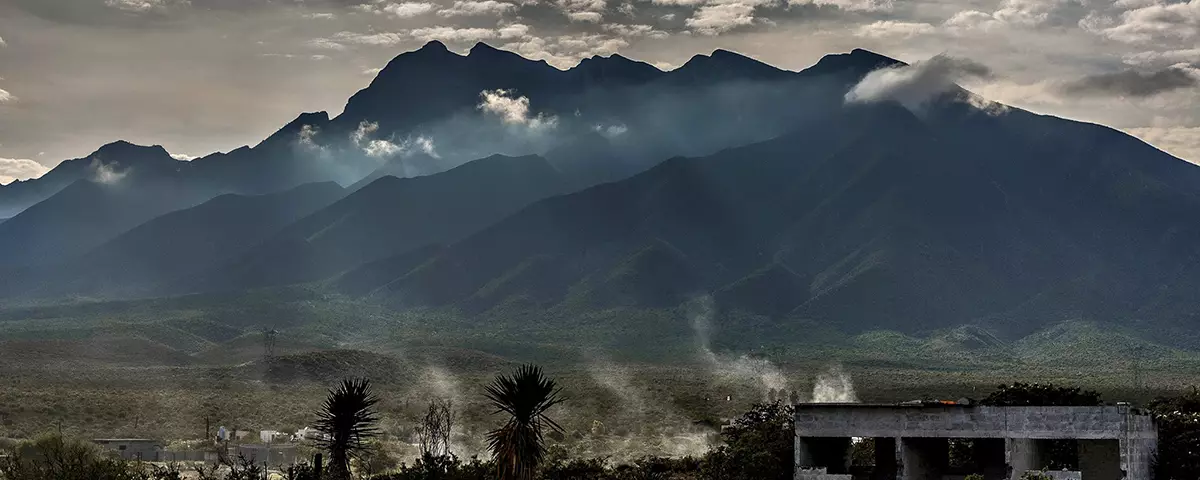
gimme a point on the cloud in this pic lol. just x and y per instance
(12, 169)
(381, 148)
(894, 29)
(382, 39)
(324, 44)
(453, 34)
(679, 3)
(398, 10)
(1027, 13)
(183, 157)
(1149, 22)
(848, 5)
(6, 97)
(718, 19)
(513, 110)
(566, 51)
(320, 16)
(1132, 83)
(611, 131)
(477, 8)
(1183, 142)
(144, 6)
(914, 85)
(1163, 58)
(3, 43)
(635, 30)
(502, 102)
(590, 17)
(107, 173)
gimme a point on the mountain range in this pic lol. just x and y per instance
(493, 185)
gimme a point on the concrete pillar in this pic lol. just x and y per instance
(887, 465)
(1100, 459)
(924, 458)
(990, 459)
(1137, 456)
(1023, 455)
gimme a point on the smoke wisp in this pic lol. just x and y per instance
(834, 386)
(759, 371)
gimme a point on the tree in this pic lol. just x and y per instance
(1178, 420)
(1041, 395)
(758, 446)
(520, 445)
(346, 421)
(65, 459)
(433, 434)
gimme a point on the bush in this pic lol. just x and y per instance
(55, 457)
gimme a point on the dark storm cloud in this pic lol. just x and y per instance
(1132, 83)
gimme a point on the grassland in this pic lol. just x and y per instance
(639, 381)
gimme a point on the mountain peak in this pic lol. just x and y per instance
(614, 69)
(727, 65)
(434, 46)
(858, 62)
(122, 148)
(481, 48)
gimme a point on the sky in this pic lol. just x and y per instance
(199, 76)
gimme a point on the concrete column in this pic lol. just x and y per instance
(887, 465)
(990, 459)
(1137, 455)
(924, 458)
(1023, 455)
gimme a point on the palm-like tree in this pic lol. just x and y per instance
(346, 420)
(519, 446)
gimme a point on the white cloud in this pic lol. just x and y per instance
(515, 30)
(914, 85)
(453, 34)
(382, 39)
(1149, 23)
(513, 110)
(611, 131)
(679, 3)
(635, 30)
(325, 44)
(971, 20)
(183, 157)
(502, 102)
(371, 72)
(398, 10)
(320, 16)
(590, 17)
(849, 5)
(12, 169)
(6, 97)
(718, 19)
(381, 148)
(477, 8)
(893, 29)
(145, 6)
(3, 43)
(1183, 142)
(1163, 58)
(1027, 13)
(107, 173)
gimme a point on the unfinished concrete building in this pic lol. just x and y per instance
(914, 441)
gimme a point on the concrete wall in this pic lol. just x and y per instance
(1116, 443)
(952, 421)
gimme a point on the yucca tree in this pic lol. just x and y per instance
(346, 421)
(519, 445)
